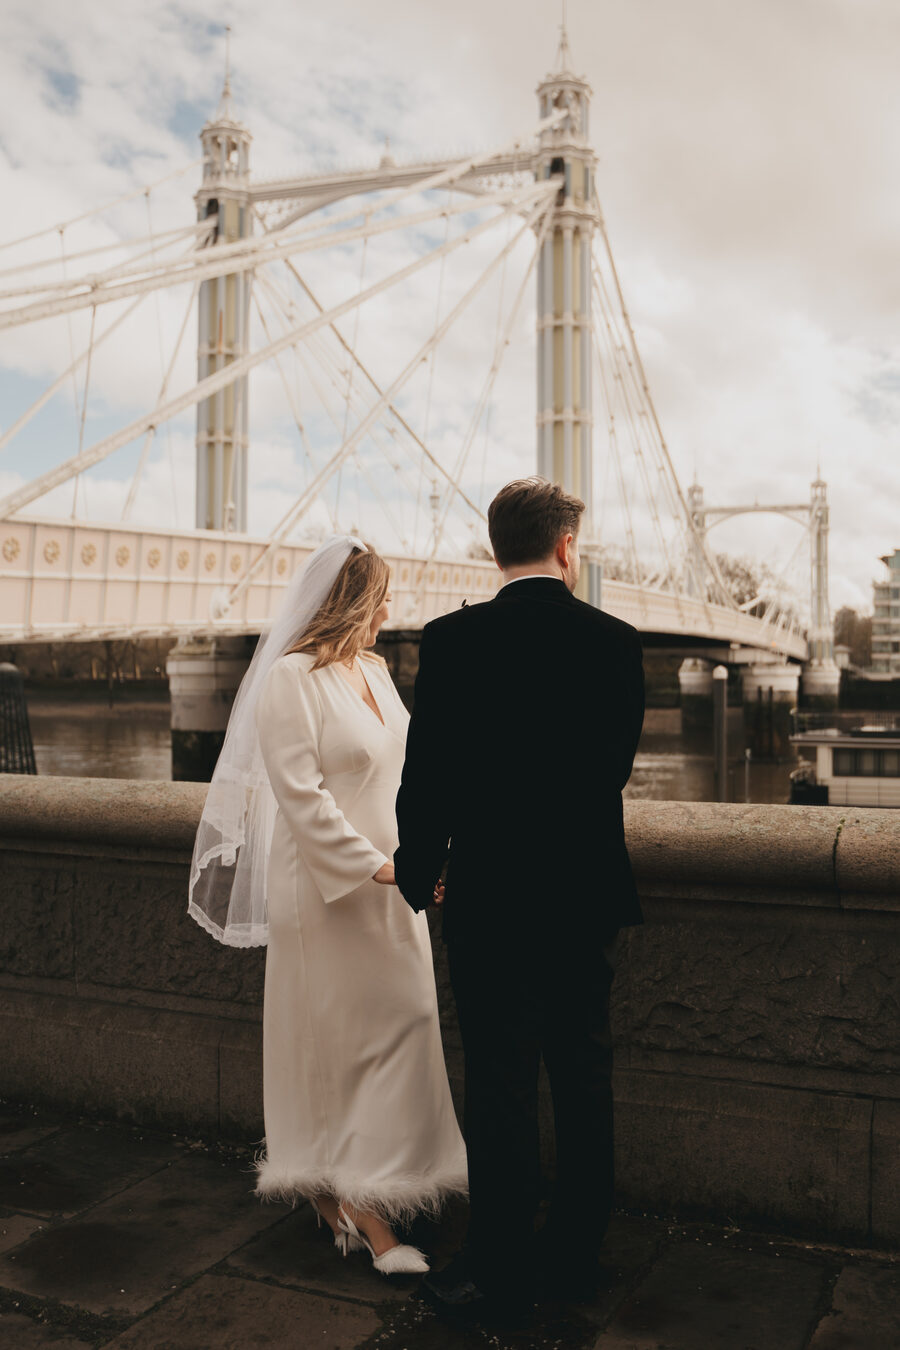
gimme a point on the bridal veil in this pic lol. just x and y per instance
(227, 892)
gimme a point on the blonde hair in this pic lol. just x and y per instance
(340, 629)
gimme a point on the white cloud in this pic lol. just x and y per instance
(748, 177)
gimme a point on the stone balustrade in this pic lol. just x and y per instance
(755, 1013)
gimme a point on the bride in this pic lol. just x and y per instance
(294, 848)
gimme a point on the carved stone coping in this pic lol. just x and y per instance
(837, 857)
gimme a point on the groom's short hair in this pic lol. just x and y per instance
(528, 517)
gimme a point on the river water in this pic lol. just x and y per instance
(131, 740)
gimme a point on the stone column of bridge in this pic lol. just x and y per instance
(821, 677)
(564, 332)
(224, 306)
(204, 674)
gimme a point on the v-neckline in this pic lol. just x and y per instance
(376, 714)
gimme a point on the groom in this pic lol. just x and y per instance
(527, 714)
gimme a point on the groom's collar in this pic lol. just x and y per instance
(534, 587)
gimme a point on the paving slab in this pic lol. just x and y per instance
(632, 1242)
(15, 1229)
(416, 1325)
(18, 1130)
(865, 1311)
(129, 1252)
(698, 1296)
(298, 1254)
(79, 1166)
(231, 1313)
(21, 1333)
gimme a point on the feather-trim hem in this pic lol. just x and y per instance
(396, 1201)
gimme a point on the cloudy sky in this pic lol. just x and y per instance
(748, 175)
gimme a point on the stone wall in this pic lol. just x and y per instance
(755, 1012)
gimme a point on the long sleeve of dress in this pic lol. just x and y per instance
(338, 858)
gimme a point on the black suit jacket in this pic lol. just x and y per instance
(528, 710)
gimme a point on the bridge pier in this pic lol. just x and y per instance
(204, 675)
(820, 685)
(769, 694)
(695, 682)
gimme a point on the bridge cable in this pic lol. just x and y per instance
(79, 411)
(392, 408)
(151, 430)
(329, 363)
(487, 388)
(302, 505)
(601, 225)
(98, 210)
(497, 326)
(84, 402)
(433, 362)
(622, 367)
(57, 384)
(316, 345)
(243, 256)
(615, 456)
(162, 361)
(374, 384)
(220, 379)
(312, 466)
(322, 356)
(443, 177)
(352, 368)
(169, 236)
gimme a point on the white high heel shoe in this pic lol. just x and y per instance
(343, 1241)
(399, 1260)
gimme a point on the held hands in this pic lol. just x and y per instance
(385, 877)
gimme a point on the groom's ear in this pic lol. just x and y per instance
(499, 564)
(562, 550)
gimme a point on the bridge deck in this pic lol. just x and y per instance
(69, 580)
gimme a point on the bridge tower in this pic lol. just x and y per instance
(564, 284)
(224, 310)
(821, 677)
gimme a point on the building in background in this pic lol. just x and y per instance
(886, 621)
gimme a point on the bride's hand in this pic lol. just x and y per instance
(439, 893)
(385, 875)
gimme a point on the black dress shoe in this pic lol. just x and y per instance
(453, 1287)
(453, 1292)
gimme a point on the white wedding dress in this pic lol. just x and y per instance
(356, 1097)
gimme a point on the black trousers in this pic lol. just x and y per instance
(520, 1001)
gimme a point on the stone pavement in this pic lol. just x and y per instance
(117, 1237)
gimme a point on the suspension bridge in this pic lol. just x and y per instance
(274, 276)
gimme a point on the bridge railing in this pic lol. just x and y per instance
(62, 579)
